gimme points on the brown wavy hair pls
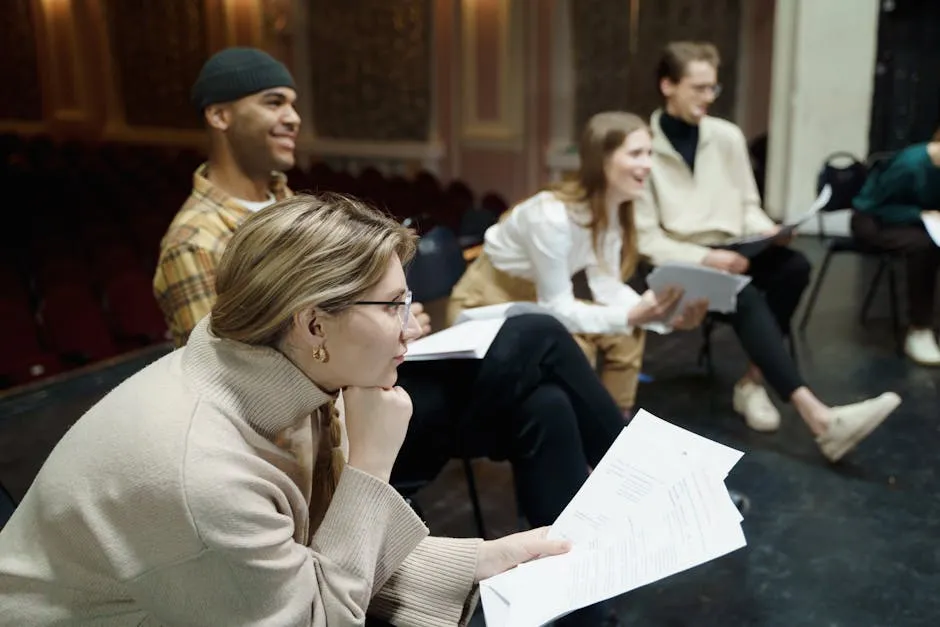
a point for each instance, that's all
(603, 134)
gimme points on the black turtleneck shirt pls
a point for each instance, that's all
(682, 135)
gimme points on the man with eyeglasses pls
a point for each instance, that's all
(700, 198)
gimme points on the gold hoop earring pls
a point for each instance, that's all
(321, 354)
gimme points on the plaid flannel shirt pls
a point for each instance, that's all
(184, 283)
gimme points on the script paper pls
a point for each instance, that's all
(931, 221)
(518, 308)
(504, 310)
(752, 245)
(720, 288)
(654, 506)
(469, 340)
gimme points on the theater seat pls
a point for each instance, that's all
(22, 359)
(74, 325)
(137, 319)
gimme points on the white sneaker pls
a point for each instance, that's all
(921, 347)
(752, 402)
(850, 424)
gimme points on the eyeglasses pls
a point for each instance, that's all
(404, 307)
(715, 89)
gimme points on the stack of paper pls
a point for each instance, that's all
(931, 220)
(720, 288)
(502, 311)
(469, 340)
(655, 505)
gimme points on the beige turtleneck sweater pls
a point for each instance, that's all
(169, 503)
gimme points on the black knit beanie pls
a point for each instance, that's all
(234, 73)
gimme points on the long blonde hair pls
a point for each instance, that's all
(603, 134)
(305, 251)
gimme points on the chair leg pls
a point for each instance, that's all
(705, 353)
(814, 293)
(873, 289)
(895, 318)
(474, 497)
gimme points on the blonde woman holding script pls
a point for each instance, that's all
(244, 478)
(583, 225)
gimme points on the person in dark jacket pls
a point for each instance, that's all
(898, 196)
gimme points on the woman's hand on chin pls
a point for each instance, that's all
(376, 423)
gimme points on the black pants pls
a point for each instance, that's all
(533, 400)
(920, 253)
(765, 307)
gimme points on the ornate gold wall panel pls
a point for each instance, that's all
(19, 68)
(157, 47)
(617, 44)
(371, 68)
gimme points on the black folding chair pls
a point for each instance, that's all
(846, 182)
(437, 266)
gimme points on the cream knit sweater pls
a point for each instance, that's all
(169, 503)
(681, 213)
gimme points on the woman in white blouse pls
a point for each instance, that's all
(585, 224)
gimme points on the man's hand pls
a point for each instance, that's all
(726, 260)
(782, 240)
(422, 318)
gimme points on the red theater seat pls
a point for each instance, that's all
(137, 319)
(74, 325)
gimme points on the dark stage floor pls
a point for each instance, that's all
(857, 544)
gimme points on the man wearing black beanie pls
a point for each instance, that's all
(246, 98)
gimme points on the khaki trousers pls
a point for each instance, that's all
(617, 358)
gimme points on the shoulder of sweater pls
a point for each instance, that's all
(544, 207)
(184, 445)
(724, 130)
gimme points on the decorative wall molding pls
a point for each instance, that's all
(428, 154)
(67, 97)
(506, 130)
(562, 81)
(22, 61)
(243, 23)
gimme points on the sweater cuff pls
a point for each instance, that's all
(434, 587)
(616, 320)
(368, 529)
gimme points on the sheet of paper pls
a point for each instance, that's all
(825, 195)
(503, 310)
(697, 449)
(469, 340)
(720, 288)
(931, 220)
(647, 457)
(752, 245)
(650, 546)
(655, 505)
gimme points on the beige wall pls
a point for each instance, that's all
(821, 95)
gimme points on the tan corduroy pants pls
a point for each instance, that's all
(618, 358)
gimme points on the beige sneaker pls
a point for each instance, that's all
(850, 424)
(752, 402)
(921, 347)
